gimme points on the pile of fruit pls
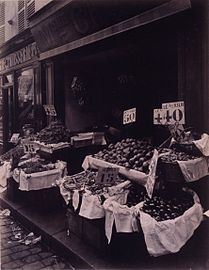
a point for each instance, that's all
(129, 153)
(164, 207)
(54, 133)
(87, 181)
(37, 166)
(173, 156)
(136, 195)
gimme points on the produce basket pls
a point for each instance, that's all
(169, 222)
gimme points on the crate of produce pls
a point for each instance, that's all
(132, 157)
(169, 220)
(180, 167)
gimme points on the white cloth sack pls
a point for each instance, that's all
(194, 169)
(169, 236)
(91, 207)
(139, 177)
(203, 144)
(41, 180)
(5, 170)
(123, 216)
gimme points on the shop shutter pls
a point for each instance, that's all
(2, 22)
(21, 4)
(21, 20)
(30, 9)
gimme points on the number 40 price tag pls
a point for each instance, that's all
(107, 175)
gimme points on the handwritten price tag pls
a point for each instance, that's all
(129, 116)
(50, 110)
(107, 175)
(29, 147)
(15, 138)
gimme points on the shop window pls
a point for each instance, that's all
(25, 104)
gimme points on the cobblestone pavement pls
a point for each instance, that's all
(17, 251)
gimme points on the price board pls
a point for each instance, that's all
(170, 114)
(129, 116)
(50, 110)
(152, 174)
(174, 112)
(15, 138)
(29, 147)
(107, 175)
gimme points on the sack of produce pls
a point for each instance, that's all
(83, 187)
(169, 221)
(122, 210)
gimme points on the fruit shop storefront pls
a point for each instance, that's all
(20, 86)
(126, 192)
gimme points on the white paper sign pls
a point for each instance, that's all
(174, 112)
(15, 138)
(107, 175)
(50, 110)
(152, 174)
(129, 116)
(29, 147)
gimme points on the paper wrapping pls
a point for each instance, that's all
(139, 177)
(5, 171)
(124, 217)
(50, 148)
(40, 180)
(194, 169)
(203, 144)
(170, 236)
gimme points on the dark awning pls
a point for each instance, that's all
(76, 25)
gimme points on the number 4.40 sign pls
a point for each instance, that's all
(107, 175)
(169, 114)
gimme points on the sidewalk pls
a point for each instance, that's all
(53, 230)
(20, 251)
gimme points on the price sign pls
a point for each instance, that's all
(174, 112)
(152, 174)
(129, 116)
(50, 110)
(29, 147)
(169, 114)
(107, 175)
(15, 138)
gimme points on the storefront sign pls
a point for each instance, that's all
(152, 174)
(19, 57)
(107, 175)
(129, 116)
(169, 114)
(50, 110)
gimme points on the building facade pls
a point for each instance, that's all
(95, 59)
